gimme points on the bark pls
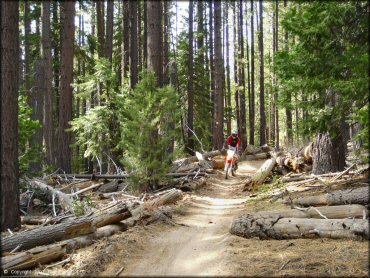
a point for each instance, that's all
(328, 154)
(252, 102)
(126, 41)
(330, 212)
(211, 58)
(155, 61)
(63, 199)
(286, 228)
(243, 119)
(288, 111)
(236, 67)
(109, 30)
(100, 24)
(65, 230)
(166, 42)
(259, 177)
(349, 196)
(262, 81)
(27, 32)
(133, 44)
(10, 218)
(276, 111)
(190, 144)
(47, 83)
(65, 109)
(45, 254)
(56, 70)
(219, 76)
(255, 156)
(228, 81)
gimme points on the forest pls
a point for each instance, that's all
(94, 90)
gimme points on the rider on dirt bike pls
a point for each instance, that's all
(234, 141)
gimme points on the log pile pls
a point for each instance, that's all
(49, 242)
(255, 153)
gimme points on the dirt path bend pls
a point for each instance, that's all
(199, 246)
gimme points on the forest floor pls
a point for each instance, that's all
(197, 242)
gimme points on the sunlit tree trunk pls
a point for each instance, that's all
(262, 80)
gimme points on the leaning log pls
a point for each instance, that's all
(45, 254)
(64, 200)
(329, 212)
(259, 177)
(65, 230)
(249, 225)
(350, 196)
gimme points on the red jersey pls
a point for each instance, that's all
(234, 142)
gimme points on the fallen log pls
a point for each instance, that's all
(192, 159)
(255, 156)
(249, 225)
(91, 176)
(259, 177)
(65, 230)
(49, 253)
(251, 150)
(65, 201)
(350, 196)
(330, 212)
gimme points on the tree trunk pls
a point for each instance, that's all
(211, 60)
(56, 70)
(126, 41)
(10, 218)
(109, 30)
(286, 228)
(276, 110)
(349, 196)
(259, 177)
(166, 43)
(252, 102)
(133, 44)
(65, 109)
(47, 83)
(262, 81)
(236, 67)
(70, 229)
(243, 119)
(27, 31)
(190, 145)
(328, 155)
(100, 24)
(330, 212)
(228, 81)
(218, 139)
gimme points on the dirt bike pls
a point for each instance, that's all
(230, 162)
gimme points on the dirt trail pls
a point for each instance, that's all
(199, 247)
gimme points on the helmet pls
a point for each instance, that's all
(234, 133)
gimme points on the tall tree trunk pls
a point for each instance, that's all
(262, 84)
(228, 81)
(166, 42)
(248, 68)
(10, 218)
(109, 30)
(200, 35)
(190, 144)
(139, 38)
(100, 24)
(65, 109)
(145, 34)
(219, 76)
(272, 95)
(252, 105)
(126, 41)
(277, 139)
(211, 59)
(243, 117)
(27, 31)
(56, 69)
(133, 44)
(236, 66)
(48, 83)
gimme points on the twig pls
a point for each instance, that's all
(97, 159)
(87, 189)
(142, 199)
(16, 248)
(323, 216)
(196, 174)
(119, 271)
(115, 165)
(201, 145)
(284, 264)
(10, 232)
(53, 199)
(43, 273)
(344, 172)
(59, 263)
(53, 173)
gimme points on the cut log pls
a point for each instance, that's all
(109, 187)
(259, 177)
(218, 162)
(64, 200)
(340, 197)
(330, 212)
(255, 156)
(48, 253)
(249, 225)
(251, 150)
(69, 229)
